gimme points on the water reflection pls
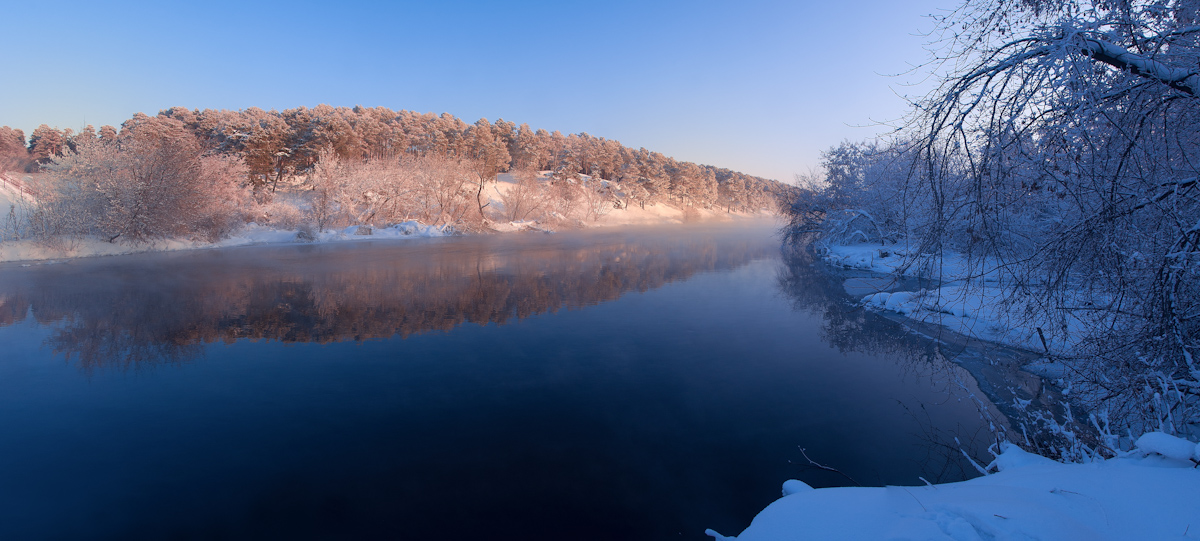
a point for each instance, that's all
(650, 416)
(162, 308)
(1016, 405)
(817, 289)
(820, 290)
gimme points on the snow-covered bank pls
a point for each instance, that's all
(1151, 493)
(1058, 336)
(254, 234)
(276, 223)
(968, 298)
(251, 234)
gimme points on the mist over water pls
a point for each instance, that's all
(613, 384)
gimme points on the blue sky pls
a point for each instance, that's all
(759, 87)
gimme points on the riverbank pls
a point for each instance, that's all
(976, 300)
(1148, 493)
(970, 298)
(252, 234)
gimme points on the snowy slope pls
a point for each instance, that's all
(12, 193)
(1143, 496)
(652, 214)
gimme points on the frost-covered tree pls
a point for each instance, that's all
(1070, 130)
(45, 143)
(107, 133)
(488, 154)
(383, 153)
(265, 149)
(527, 198)
(151, 183)
(13, 154)
(1060, 156)
(732, 193)
(596, 198)
(328, 182)
(528, 149)
(446, 192)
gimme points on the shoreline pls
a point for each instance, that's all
(1029, 384)
(29, 252)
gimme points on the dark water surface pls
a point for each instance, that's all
(608, 385)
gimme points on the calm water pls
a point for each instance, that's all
(611, 385)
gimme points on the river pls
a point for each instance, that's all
(621, 384)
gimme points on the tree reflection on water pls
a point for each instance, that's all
(163, 308)
(139, 311)
(1016, 405)
(819, 290)
(677, 410)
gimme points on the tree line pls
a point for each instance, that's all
(1059, 157)
(221, 151)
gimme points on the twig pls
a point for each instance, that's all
(815, 464)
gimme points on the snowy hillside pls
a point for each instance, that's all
(605, 213)
(282, 221)
(12, 192)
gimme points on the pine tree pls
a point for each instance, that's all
(46, 143)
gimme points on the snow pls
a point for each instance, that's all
(793, 486)
(251, 234)
(865, 257)
(976, 311)
(521, 225)
(652, 214)
(294, 203)
(970, 298)
(1151, 492)
(11, 192)
(1119, 57)
(1168, 446)
(409, 229)
(14, 200)
(1029, 497)
(256, 234)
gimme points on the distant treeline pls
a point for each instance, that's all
(277, 147)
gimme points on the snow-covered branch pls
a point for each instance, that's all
(1184, 80)
(1064, 188)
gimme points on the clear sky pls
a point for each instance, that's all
(756, 86)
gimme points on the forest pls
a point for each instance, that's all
(202, 173)
(1058, 159)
